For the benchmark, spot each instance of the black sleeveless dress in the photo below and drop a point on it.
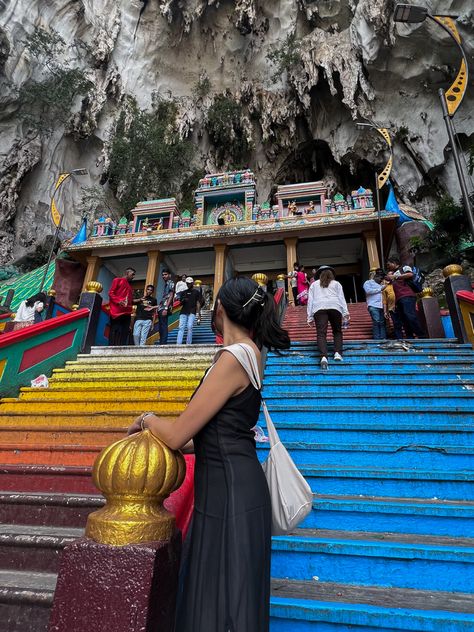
(226, 573)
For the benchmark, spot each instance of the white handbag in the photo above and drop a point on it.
(291, 495)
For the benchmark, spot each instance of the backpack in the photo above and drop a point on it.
(417, 281)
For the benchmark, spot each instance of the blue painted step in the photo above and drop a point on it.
(394, 482)
(417, 564)
(385, 439)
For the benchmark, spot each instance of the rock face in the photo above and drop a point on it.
(345, 60)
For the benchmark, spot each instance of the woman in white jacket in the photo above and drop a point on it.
(29, 311)
(326, 304)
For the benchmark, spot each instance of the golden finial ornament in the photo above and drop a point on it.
(260, 278)
(452, 270)
(51, 292)
(94, 286)
(75, 307)
(426, 292)
(198, 283)
(136, 475)
(281, 277)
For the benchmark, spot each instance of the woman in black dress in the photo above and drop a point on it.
(226, 586)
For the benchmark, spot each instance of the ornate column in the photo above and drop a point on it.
(370, 237)
(154, 258)
(219, 267)
(291, 258)
(92, 271)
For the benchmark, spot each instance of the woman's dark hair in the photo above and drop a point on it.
(300, 268)
(41, 297)
(326, 277)
(248, 305)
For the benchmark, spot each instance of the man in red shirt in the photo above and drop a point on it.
(121, 304)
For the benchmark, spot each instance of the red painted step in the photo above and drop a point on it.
(360, 327)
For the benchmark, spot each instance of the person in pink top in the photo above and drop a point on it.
(121, 305)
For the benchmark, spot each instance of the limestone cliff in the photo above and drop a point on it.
(345, 59)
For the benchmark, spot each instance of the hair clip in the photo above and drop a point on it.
(255, 297)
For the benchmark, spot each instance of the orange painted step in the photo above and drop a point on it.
(49, 455)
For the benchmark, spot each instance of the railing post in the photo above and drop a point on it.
(456, 281)
(92, 300)
(51, 302)
(123, 576)
(429, 314)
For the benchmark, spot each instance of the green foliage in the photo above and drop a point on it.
(417, 244)
(7, 272)
(47, 101)
(451, 229)
(202, 87)
(401, 133)
(94, 200)
(188, 187)
(285, 56)
(147, 156)
(227, 133)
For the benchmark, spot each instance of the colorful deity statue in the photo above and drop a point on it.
(329, 206)
(158, 225)
(310, 210)
(362, 199)
(130, 226)
(340, 203)
(122, 226)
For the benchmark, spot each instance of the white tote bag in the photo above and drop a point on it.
(291, 496)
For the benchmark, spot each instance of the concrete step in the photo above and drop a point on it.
(117, 419)
(46, 479)
(48, 510)
(379, 455)
(366, 388)
(78, 456)
(160, 404)
(385, 431)
(25, 600)
(416, 562)
(34, 548)
(58, 437)
(390, 482)
(453, 518)
(312, 606)
(190, 351)
(99, 394)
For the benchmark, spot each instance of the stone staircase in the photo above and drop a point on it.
(386, 441)
(360, 327)
(49, 439)
(202, 334)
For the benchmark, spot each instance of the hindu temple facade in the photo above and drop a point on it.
(229, 232)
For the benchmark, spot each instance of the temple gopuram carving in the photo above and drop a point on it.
(229, 231)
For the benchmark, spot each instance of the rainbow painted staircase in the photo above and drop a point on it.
(49, 439)
(385, 439)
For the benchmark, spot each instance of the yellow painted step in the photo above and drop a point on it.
(60, 420)
(160, 406)
(117, 385)
(190, 362)
(189, 379)
(120, 373)
(106, 395)
(163, 366)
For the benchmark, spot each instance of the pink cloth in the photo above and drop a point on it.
(302, 286)
(120, 290)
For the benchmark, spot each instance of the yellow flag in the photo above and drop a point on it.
(56, 217)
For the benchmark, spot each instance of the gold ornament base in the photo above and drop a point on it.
(131, 521)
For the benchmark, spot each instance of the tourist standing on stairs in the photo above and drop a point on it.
(405, 297)
(121, 306)
(165, 306)
(302, 286)
(373, 291)
(292, 274)
(190, 311)
(144, 316)
(226, 575)
(390, 311)
(180, 286)
(326, 304)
